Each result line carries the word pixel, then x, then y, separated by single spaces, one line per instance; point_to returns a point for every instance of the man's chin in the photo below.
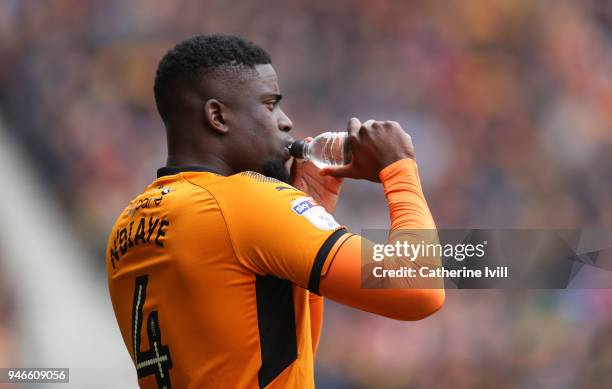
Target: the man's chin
pixel 276 168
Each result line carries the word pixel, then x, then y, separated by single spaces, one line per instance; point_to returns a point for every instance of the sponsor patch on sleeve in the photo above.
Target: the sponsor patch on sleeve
pixel 314 213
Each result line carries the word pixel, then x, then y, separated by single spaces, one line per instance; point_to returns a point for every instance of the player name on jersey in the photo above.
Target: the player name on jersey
pixel 151 230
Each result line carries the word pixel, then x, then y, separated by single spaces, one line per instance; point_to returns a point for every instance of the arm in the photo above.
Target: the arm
pixel 408 208
pixel 317 253
pixel 383 152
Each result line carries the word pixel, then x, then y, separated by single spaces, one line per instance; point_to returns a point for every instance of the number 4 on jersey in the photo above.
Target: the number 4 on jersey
pixel 156 360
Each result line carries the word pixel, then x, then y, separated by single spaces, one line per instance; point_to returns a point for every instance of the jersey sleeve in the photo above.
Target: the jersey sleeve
pixel 278 230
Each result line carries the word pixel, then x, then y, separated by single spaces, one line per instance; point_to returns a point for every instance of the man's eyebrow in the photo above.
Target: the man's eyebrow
pixel 276 96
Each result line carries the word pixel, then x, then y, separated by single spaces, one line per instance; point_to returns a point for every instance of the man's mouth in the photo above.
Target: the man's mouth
pixel 286 151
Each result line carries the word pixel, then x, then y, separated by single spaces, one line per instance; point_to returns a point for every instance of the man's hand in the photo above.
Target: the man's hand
pixel 374 146
pixel 323 189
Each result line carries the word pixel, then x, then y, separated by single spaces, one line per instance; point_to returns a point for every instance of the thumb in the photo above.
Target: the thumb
pixel 337 171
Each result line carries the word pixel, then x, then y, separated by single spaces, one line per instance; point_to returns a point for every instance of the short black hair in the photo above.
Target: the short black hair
pixel 202 54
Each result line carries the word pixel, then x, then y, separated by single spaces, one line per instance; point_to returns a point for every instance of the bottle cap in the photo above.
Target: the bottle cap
pixel 296 149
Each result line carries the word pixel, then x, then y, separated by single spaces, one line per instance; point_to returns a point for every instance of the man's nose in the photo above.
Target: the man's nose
pixel 284 123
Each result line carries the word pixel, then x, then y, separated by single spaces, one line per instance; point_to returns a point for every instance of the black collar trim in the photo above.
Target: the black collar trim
pixel 172 170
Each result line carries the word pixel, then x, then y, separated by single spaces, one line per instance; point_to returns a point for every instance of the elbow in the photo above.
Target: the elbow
pixel 434 303
pixel 424 304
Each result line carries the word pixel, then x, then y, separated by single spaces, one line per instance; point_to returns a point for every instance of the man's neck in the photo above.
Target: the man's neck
pixel 213 163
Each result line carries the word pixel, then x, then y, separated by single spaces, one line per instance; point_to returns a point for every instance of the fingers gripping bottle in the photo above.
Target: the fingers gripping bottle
pixel 327 149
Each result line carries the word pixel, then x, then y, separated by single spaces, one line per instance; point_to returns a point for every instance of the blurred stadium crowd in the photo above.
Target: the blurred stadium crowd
pixel 509 103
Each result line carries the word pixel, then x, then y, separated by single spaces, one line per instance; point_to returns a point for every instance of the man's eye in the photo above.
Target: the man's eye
pixel 271 105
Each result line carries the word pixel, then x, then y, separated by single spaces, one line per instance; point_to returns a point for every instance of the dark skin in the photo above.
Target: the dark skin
pixel 232 124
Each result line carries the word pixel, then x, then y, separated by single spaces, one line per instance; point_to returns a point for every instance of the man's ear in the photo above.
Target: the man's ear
pixel 215 114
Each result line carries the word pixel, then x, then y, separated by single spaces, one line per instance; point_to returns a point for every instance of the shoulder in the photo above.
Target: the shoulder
pixel 246 185
pixel 253 196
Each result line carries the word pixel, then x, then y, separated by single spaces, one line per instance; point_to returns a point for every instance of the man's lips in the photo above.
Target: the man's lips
pixel 286 152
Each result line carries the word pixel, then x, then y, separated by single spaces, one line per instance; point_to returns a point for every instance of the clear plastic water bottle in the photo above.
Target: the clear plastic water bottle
pixel 326 149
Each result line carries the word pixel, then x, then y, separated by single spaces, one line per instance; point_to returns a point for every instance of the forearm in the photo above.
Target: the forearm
pixel 411 222
pixel 407 205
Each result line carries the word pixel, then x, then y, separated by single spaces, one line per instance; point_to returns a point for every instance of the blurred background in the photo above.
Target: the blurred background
pixel 509 103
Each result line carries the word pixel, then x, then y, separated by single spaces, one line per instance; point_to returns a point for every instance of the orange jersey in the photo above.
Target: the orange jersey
pixel 209 278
